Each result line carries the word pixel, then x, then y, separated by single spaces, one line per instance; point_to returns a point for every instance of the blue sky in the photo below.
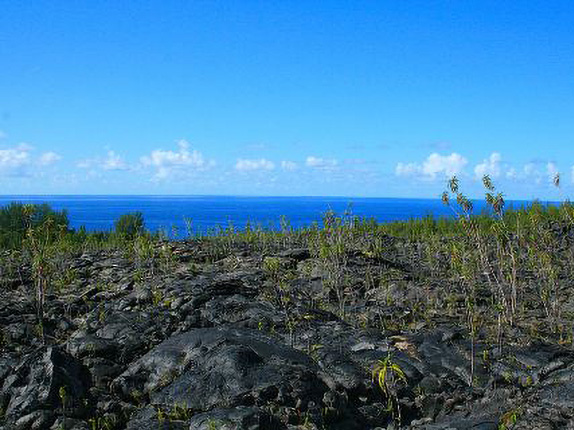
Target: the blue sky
pixel 372 98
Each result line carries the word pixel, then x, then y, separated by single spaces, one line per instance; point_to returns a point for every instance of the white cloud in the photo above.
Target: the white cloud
pixel 407 169
pixel 490 166
pixel 320 163
pixel 113 162
pixel 288 165
pixel 110 162
pixel 48 158
pixel 166 163
pixel 14 161
pixel 14 158
pixel 450 165
pixel 84 164
pixel 530 171
pixel 540 172
pixel 21 161
pixel 435 164
pixel 24 147
pixel 250 165
pixel 511 173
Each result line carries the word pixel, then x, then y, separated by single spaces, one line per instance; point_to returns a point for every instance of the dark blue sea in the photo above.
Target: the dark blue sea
pixel 206 213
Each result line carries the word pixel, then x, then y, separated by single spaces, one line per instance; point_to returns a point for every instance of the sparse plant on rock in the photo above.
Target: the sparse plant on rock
pixel 389 377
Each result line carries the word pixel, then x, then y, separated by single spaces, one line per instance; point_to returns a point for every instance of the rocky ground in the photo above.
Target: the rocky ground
pixel 253 340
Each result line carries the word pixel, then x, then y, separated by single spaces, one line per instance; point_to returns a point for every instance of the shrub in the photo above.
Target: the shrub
pixel 130 225
pixel 17 218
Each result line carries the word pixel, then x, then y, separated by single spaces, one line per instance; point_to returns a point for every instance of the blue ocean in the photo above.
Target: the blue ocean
pixel 206 213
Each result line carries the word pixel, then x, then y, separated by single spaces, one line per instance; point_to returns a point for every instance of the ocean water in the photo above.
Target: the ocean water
pixel 168 213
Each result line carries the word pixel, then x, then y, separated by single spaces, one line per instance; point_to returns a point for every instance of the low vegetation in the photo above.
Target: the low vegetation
pixel 511 261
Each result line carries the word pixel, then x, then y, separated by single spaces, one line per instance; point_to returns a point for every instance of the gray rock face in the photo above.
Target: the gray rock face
pixel 239 311
pixel 240 418
pixel 207 368
pixel 117 334
pixel 54 381
pixel 222 341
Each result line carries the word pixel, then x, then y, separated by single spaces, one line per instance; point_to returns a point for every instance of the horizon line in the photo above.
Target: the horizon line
pixel 3 196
